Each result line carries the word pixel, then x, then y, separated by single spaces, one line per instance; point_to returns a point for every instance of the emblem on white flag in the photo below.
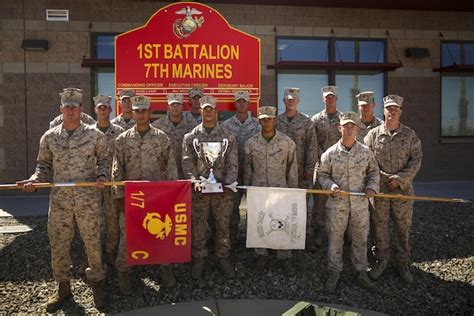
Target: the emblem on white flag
pixel 276 218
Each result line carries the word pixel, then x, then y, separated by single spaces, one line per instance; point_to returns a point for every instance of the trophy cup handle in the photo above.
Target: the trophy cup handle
pixel 225 145
pixel 196 145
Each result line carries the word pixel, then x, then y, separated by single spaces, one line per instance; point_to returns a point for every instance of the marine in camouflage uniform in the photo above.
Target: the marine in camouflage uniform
pixel 175 125
pixel 218 206
pixel 73 152
pixel 399 153
pixel 368 120
pixel 125 119
pixel 243 126
pixel 141 153
pixel 350 166
pixel 271 161
pixel 103 108
pixel 301 130
pixel 326 124
pixel 195 93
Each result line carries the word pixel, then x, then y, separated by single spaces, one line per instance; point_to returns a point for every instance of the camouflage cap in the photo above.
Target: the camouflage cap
pixel 175 98
pixel 366 97
pixel 349 117
pixel 242 95
pixel 140 102
pixel 327 90
pixel 126 94
pixel 292 93
pixel 71 97
pixel 393 99
pixel 266 111
pixel 194 91
pixel 207 101
pixel 102 99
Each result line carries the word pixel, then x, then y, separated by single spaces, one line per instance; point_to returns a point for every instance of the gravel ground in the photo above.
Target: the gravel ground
pixel 442 254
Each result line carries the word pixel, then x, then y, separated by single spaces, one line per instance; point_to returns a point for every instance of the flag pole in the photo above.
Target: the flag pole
pixel 234 186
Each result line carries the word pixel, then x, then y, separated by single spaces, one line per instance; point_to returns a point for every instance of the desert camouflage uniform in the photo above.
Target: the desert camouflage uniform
pixel 195 119
pixel 176 134
pixel 85 118
pixel 136 158
pixel 219 206
pixel 120 121
pixel 355 170
pixel 271 164
pixel 112 228
pixel 398 153
pixel 364 129
pixel 83 156
pixel 301 130
pixel 328 134
pixel 242 132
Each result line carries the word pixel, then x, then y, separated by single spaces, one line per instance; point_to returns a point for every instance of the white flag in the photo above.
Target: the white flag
pixel 276 218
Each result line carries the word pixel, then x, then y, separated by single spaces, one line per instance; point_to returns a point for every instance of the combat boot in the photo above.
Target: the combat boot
pixel 289 267
pixel 197 270
pixel 379 268
pixel 124 283
pixel 404 272
pixel 98 290
pixel 260 264
pixel 226 267
pixel 62 293
pixel 331 282
pixel 318 238
pixel 365 282
pixel 167 276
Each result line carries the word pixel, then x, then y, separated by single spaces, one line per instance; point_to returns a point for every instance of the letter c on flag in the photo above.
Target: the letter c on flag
pixel 140 253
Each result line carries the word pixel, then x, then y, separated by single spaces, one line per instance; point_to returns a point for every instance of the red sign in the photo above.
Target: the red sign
pixel 158 222
pixel 188 44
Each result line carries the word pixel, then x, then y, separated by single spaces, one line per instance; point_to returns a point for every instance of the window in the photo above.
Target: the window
pixel 313 63
pixel 457 90
pixel 104 76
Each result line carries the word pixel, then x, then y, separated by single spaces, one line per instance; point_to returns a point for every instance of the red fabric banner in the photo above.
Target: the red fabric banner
pixel 158 222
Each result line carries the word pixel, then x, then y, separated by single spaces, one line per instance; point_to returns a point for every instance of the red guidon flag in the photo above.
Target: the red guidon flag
pixel 158 222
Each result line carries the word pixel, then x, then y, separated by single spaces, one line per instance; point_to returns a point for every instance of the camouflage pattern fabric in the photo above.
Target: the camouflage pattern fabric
pixel 120 121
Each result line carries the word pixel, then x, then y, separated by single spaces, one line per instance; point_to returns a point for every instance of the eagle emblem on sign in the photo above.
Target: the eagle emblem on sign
pixel 156 226
pixel 183 28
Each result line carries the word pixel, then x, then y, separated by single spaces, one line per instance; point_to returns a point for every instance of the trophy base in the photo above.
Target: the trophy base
pixel 211 188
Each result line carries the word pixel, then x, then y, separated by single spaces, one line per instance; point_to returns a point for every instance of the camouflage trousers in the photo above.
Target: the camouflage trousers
pixel 121 261
pixel 400 211
pixel 112 227
pixel 235 215
pixel 337 222
pixel 66 207
pixel 281 254
pixel 219 208
pixel 319 210
pixel 310 222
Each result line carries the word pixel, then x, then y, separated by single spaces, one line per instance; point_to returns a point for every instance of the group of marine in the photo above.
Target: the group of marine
pixel 332 150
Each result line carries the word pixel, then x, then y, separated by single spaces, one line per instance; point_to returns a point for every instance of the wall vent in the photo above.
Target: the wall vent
pixel 57 15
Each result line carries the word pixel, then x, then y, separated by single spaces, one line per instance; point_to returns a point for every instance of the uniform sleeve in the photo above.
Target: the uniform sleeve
pixel 104 156
pixel 56 121
pixel 413 165
pixel 372 173
pixel 44 162
pixel 292 167
pixel 87 119
pixel 171 168
pixel 232 161
pixel 312 148
pixel 248 164
pixel 189 162
pixel 118 163
pixel 324 172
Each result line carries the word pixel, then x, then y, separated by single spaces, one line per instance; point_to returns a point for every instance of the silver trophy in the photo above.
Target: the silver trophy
pixel 210 152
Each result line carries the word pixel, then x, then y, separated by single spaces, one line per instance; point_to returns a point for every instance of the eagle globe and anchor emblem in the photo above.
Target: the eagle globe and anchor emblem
pixel 183 28
pixel 156 226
